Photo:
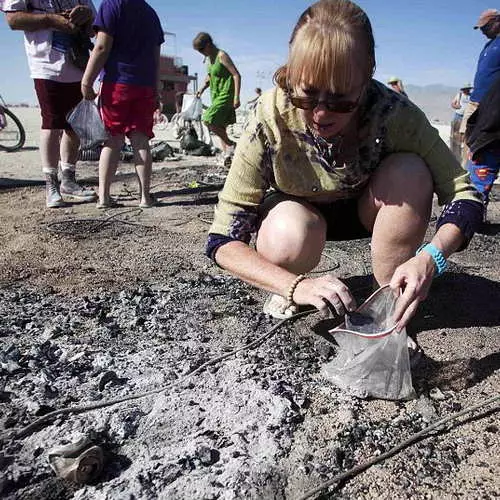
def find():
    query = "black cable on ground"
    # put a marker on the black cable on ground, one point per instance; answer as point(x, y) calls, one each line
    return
point(30, 428)
point(100, 222)
point(396, 449)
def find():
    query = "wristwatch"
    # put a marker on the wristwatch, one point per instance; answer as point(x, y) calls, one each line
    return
point(436, 255)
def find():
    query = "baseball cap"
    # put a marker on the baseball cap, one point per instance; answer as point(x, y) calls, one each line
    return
point(393, 79)
point(486, 17)
point(466, 86)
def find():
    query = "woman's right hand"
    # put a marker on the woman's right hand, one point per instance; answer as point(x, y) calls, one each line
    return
point(324, 293)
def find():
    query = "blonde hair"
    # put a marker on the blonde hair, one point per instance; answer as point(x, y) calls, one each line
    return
point(324, 48)
point(201, 40)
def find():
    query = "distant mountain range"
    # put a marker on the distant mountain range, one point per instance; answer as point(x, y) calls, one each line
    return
point(434, 100)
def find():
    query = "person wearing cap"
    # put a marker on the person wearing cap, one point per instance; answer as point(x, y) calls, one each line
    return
point(488, 66)
point(459, 103)
point(396, 84)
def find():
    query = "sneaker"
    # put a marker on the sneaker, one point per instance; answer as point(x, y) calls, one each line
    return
point(53, 196)
point(71, 189)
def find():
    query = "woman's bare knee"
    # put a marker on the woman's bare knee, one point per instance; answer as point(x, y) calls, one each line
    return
point(291, 235)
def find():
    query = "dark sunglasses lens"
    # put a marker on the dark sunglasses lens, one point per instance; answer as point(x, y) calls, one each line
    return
point(304, 102)
point(309, 103)
point(342, 106)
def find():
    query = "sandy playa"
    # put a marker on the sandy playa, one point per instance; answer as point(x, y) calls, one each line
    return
point(100, 305)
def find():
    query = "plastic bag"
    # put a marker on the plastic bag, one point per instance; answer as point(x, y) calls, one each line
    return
point(85, 120)
point(372, 359)
point(192, 108)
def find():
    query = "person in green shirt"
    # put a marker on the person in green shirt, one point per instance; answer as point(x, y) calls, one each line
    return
point(330, 153)
point(224, 81)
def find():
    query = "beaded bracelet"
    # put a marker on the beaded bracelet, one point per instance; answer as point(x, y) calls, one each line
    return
point(293, 286)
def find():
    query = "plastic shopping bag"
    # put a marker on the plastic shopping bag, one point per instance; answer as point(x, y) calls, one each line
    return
point(372, 359)
point(85, 120)
point(192, 108)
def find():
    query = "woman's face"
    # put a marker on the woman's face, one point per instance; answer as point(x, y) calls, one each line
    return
point(328, 113)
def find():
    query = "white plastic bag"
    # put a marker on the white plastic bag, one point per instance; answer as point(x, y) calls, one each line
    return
point(85, 120)
point(372, 359)
point(192, 108)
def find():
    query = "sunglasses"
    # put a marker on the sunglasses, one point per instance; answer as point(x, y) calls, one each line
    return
point(333, 104)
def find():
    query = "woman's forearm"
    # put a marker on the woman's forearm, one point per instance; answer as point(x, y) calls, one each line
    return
point(30, 21)
point(237, 86)
point(97, 60)
point(448, 239)
point(245, 263)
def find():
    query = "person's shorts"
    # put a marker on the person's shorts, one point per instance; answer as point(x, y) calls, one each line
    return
point(56, 100)
point(341, 216)
point(127, 108)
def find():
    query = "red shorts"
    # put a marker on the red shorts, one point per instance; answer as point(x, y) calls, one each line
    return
point(127, 108)
point(56, 100)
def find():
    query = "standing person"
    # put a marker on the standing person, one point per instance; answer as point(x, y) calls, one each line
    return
point(488, 67)
point(50, 27)
point(127, 50)
point(459, 103)
point(396, 84)
point(330, 153)
point(224, 81)
point(252, 102)
point(483, 139)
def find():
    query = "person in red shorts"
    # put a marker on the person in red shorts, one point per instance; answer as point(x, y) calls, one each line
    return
point(127, 54)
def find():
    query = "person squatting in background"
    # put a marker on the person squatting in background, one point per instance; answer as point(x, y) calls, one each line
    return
point(127, 50)
point(332, 154)
point(483, 140)
point(50, 27)
point(224, 82)
point(459, 103)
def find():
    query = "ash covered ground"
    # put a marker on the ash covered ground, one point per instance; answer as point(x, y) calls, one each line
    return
point(96, 306)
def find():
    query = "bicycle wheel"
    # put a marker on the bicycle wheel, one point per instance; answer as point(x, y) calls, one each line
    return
point(12, 134)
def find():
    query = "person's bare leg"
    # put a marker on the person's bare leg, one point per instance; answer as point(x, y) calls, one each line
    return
point(49, 155)
point(143, 165)
point(292, 235)
point(49, 149)
point(221, 133)
point(396, 207)
point(108, 163)
point(70, 143)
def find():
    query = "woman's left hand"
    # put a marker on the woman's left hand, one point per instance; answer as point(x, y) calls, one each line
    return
point(414, 278)
point(237, 103)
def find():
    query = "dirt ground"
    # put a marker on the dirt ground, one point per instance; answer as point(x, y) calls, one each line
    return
point(98, 305)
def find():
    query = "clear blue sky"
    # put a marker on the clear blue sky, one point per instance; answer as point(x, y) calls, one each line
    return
point(421, 41)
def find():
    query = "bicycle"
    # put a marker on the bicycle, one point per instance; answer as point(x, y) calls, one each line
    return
point(12, 133)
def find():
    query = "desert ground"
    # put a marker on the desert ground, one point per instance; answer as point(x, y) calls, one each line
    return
point(103, 305)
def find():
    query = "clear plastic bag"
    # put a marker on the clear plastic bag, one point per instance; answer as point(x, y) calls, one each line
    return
point(85, 120)
point(372, 359)
point(192, 107)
